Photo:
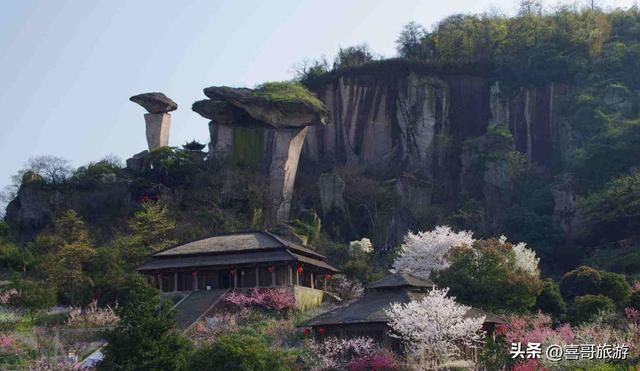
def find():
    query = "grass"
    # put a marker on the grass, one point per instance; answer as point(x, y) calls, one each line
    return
point(288, 91)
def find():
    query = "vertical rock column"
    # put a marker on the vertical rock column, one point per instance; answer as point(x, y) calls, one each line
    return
point(158, 119)
point(281, 127)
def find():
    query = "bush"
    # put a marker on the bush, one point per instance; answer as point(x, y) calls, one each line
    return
point(145, 338)
point(550, 301)
point(586, 307)
point(33, 295)
point(237, 353)
point(634, 300)
point(580, 281)
point(615, 286)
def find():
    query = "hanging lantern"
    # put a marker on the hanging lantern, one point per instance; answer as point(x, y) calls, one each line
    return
point(307, 331)
point(194, 274)
point(270, 269)
point(300, 269)
point(232, 272)
point(160, 275)
point(327, 276)
point(322, 330)
point(500, 329)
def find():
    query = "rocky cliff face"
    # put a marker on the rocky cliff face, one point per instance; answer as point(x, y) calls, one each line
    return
point(436, 128)
point(531, 114)
point(389, 123)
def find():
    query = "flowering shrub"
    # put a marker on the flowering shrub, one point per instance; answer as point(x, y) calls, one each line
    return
point(207, 330)
point(346, 289)
point(276, 299)
point(381, 360)
point(435, 326)
point(92, 316)
point(8, 319)
point(6, 296)
point(335, 353)
point(364, 245)
point(424, 252)
point(536, 329)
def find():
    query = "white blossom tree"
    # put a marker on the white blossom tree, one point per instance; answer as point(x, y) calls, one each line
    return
point(363, 245)
point(424, 252)
point(435, 327)
point(525, 258)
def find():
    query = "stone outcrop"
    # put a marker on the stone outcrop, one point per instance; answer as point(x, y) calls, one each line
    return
point(260, 132)
point(158, 119)
point(155, 102)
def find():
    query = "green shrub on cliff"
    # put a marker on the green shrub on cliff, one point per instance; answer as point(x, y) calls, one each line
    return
point(288, 91)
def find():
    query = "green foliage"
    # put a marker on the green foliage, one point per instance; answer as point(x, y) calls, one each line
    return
point(495, 355)
point(634, 300)
point(149, 232)
point(615, 287)
point(586, 280)
point(94, 173)
point(580, 281)
point(352, 56)
point(587, 307)
point(236, 352)
point(614, 211)
point(550, 300)
point(288, 91)
point(145, 338)
point(33, 295)
point(485, 276)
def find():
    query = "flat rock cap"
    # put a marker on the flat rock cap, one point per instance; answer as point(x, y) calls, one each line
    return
point(155, 102)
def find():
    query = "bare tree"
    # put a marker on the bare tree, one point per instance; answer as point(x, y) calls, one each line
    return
point(53, 169)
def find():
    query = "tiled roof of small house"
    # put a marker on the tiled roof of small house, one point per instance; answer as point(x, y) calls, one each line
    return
point(398, 288)
point(400, 280)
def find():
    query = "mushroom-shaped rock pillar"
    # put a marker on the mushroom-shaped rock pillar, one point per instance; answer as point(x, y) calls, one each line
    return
point(265, 129)
point(158, 119)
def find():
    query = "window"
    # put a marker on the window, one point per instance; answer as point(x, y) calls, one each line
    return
point(265, 278)
point(167, 282)
point(282, 275)
point(247, 277)
point(185, 281)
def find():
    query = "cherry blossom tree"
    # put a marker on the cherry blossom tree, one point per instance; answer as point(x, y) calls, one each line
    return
point(435, 327)
point(525, 258)
point(424, 252)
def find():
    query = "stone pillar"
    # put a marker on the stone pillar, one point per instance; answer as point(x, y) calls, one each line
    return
point(312, 283)
point(235, 280)
point(285, 155)
point(158, 119)
point(195, 281)
point(273, 277)
point(257, 276)
point(158, 125)
point(175, 281)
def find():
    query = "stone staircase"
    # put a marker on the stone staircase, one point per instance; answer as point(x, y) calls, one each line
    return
point(195, 306)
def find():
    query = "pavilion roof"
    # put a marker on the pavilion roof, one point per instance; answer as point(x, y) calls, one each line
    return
point(234, 249)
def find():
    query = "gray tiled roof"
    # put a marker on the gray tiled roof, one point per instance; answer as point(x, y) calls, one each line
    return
point(400, 280)
point(216, 260)
point(371, 309)
point(225, 243)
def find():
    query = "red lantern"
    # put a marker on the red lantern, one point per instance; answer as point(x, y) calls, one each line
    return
point(232, 272)
point(300, 269)
point(327, 276)
point(500, 329)
point(270, 269)
point(322, 330)
point(160, 275)
point(194, 274)
point(307, 331)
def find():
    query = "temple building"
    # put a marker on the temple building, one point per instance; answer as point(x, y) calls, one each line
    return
point(367, 317)
point(236, 261)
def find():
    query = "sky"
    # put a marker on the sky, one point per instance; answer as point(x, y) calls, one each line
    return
point(67, 68)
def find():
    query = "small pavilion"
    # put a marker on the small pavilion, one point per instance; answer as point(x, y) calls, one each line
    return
point(255, 259)
point(367, 317)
